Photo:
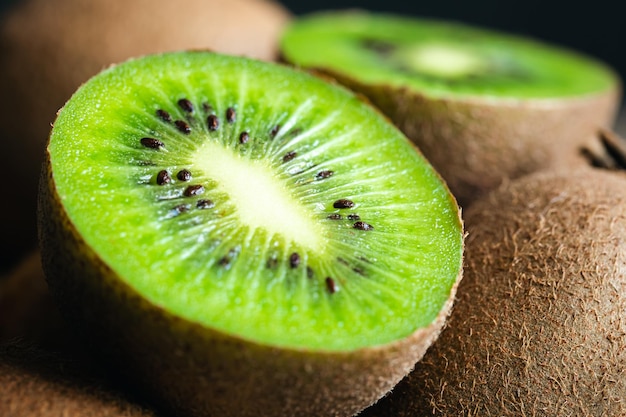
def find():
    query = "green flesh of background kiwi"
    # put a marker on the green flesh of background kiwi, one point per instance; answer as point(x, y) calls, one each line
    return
point(439, 58)
point(252, 202)
point(482, 105)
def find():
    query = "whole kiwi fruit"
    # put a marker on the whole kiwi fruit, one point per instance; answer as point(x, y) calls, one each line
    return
point(538, 327)
point(48, 48)
point(237, 235)
point(40, 383)
point(482, 105)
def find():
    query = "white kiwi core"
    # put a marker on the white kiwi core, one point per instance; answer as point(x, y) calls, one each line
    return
point(260, 200)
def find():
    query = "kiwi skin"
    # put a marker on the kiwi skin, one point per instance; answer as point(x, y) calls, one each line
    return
point(538, 327)
point(476, 144)
point(49, 48)
point(191, 370)
point(39, 383)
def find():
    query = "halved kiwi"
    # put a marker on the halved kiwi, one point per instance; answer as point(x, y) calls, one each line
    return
point(480, 104)
point(242, 236)
point(538, 327)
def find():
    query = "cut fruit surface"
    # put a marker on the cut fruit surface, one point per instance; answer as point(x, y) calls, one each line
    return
point(440, 58)
point(257, 201)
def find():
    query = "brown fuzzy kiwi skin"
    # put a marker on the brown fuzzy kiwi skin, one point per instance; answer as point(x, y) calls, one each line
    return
point(48, 48)
point(539, 324)
point(39, 383)
point(476, 143)
point(192, 370)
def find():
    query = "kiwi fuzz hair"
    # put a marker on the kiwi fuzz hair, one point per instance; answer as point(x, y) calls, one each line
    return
point(538, 326)
point(476, 144)
point(50, 49)
point(37, 383)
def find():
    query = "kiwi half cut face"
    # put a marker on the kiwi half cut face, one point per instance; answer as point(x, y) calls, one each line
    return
point(439, 58)
point(481, 105)
point(253, 205)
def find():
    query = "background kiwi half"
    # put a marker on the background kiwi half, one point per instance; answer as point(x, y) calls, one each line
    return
point(48, 48)
point(481, 105)
point(538, 327)
point(242, 236)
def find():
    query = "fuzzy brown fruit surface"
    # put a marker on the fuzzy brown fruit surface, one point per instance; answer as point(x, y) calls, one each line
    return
point(538, 327)
point(477, 143)
point(48, 48)
point(36, 383)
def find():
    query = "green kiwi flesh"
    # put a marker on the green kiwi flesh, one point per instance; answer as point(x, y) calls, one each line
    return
point(538, 327)
point(241, 230)
point(482, 105)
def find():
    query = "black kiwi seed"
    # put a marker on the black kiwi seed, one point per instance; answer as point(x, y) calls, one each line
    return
point(193, 190)
point(354, 217)
point(163, 177)
point(231, 116)
point(335, 216)
point(331, 285)
point(186, 105)
point(152, 143)
point(274, 131)
point(343, 203)
point(207, 107)
point(363, 226)
point(205, 204)
point(272, 262)
point(163, 115)
point(182, 126)
point(359, 270)
point(213, 122)
point(244, 137)
point(289, 156)
point(309, 272)
point(294, 260)
point(323, 175)
point(184, 175)
point(342, 261)
point(181, 208)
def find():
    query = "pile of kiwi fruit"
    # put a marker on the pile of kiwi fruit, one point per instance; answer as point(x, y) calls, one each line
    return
point(242, 212)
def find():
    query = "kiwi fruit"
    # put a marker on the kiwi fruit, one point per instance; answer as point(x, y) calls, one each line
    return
point(538, 327)
point(48, 48)
point(236, 235)
point(481, 105)
point(39, 383)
